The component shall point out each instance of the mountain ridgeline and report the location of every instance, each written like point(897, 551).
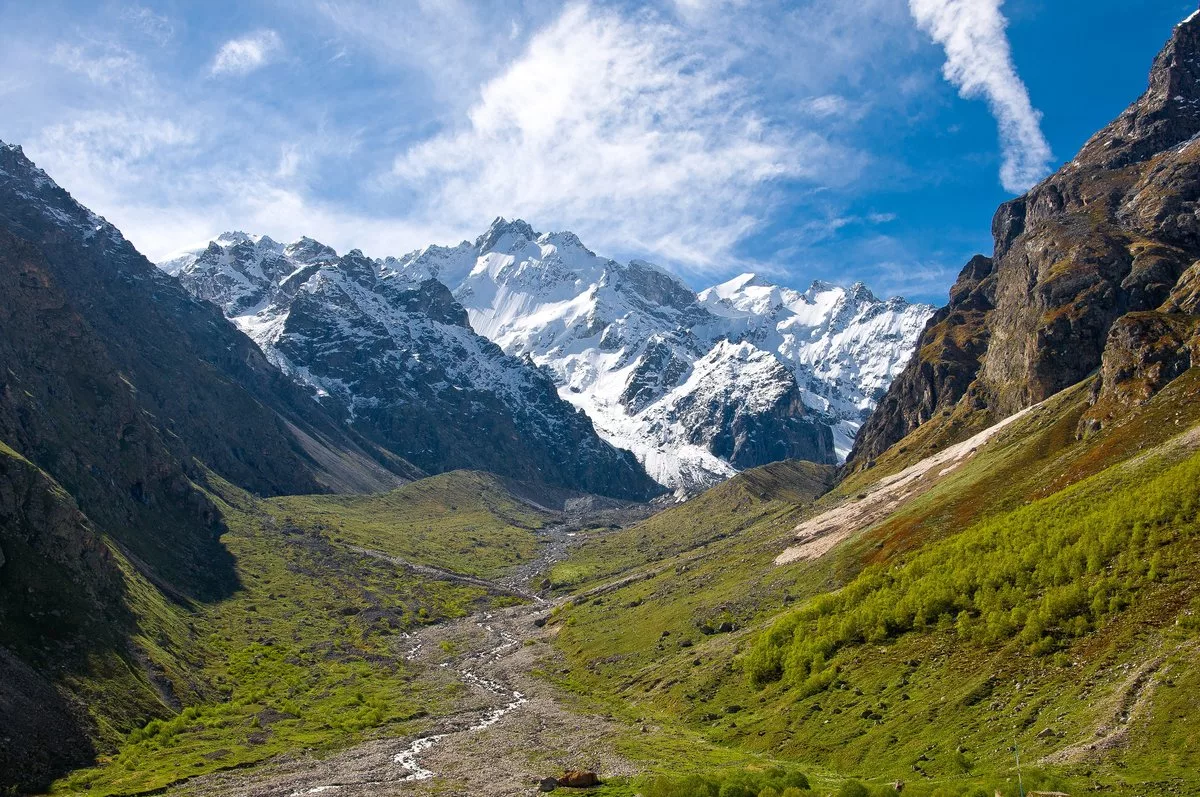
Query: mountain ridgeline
point(697, 386)
point(1094, 269)
point(395, 358)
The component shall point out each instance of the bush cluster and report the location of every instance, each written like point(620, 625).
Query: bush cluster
point(747, 783)
point(1043, 574)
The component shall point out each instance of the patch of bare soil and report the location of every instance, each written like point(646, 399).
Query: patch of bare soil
point(819, 535)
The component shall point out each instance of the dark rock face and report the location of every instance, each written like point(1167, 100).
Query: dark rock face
point(661, 367)
point(1079, 263)
point(1144, 353)
point(60, 594)
point(748, 439)
point(943, 367)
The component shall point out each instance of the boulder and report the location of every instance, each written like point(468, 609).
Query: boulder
point(547, 784)
point(579, 779)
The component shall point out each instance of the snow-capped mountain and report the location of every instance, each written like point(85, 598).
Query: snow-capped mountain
point(393, 352)
point(696, 385)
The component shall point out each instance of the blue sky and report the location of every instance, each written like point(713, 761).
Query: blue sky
point(867, 140)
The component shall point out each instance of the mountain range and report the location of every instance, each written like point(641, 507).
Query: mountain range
point(697, 386)
point(241, 552)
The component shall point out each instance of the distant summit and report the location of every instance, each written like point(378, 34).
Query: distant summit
point(698, 386)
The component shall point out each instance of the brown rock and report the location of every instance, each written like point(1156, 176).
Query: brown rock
point(579, 779)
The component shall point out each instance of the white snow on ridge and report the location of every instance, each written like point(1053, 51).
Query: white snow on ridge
point(590, 321)
point(660, 370)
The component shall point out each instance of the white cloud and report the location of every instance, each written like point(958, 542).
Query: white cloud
point(156, 27)
point(979, 62)
point(242, 56)
point(614, 127)
point(103, 65)
point(443, 48)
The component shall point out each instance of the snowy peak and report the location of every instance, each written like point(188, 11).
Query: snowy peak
point(388, 346)
point(505, 236)
point(637, 350)
point(654, 285)
point(306, 250)
point(696, 386)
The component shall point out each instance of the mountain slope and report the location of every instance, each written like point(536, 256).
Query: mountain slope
point(780, 374)
point(394, 355)
point(1095, 268)
point(120, 397)
point(1011, 565)
point(1042, 581)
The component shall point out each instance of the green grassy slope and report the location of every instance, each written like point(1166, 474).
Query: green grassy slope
point(463, 521)
point(308, 652)
point(768, 496)
point(1042, 595)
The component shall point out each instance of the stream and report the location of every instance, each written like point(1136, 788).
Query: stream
point(408, 759)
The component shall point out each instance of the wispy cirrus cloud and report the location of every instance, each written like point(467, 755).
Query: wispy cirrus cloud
point(612, 125)
point(157, 27)
point(108, 64)
point(697, 133)
point(244, 55)
point(979, 62)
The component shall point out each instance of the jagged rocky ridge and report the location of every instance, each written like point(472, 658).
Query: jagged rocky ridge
point(698, 386)
point(394, 355)
point(1094, 270)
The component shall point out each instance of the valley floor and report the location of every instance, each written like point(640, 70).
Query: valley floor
point(507, 730)
point(394, 644)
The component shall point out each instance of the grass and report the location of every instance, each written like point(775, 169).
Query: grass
point(462, 521)
point(307, 653)
point(772, 495)
point(919, 704)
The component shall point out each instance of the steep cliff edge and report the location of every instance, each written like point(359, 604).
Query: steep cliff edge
point(1094, 270)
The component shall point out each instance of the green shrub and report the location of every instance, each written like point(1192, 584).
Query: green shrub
point(1044, 574)
point(776, 782)
point(852, 788)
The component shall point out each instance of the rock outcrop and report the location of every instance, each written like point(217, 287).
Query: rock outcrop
point(1094, 270)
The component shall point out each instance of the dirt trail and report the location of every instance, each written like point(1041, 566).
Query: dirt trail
point(508, 730)
point(1127, 703)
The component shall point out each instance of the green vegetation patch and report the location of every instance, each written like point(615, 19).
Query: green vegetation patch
point(307, 653)
point(1045, 574)
point(462, 521)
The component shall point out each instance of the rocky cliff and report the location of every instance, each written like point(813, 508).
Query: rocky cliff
point(1093, 271)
